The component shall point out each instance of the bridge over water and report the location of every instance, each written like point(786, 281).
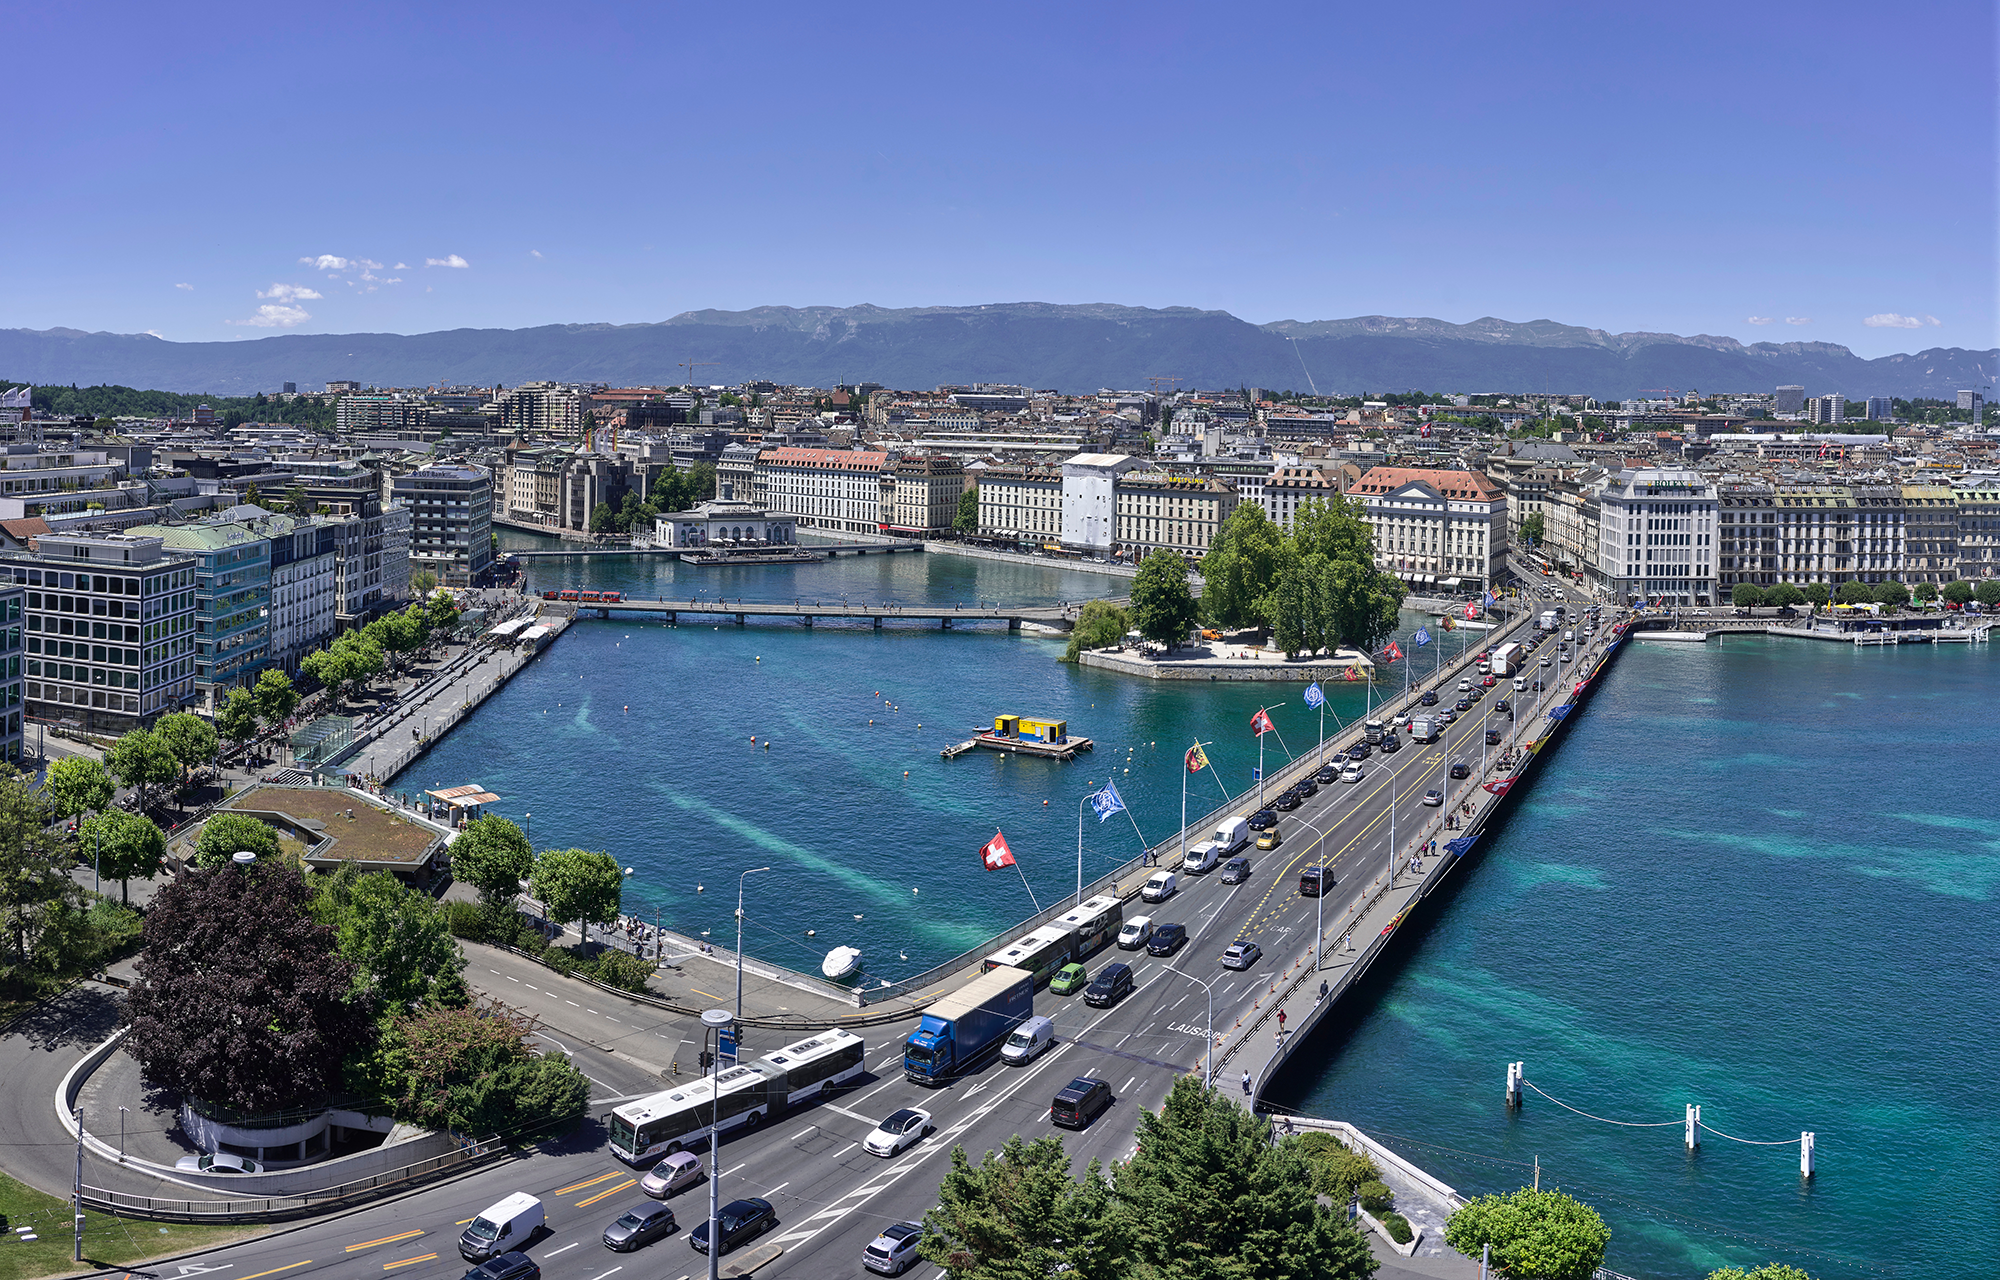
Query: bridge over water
point(1061, 617)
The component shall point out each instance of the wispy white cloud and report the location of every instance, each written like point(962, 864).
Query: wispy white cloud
point(449, 260)
point(401, 266)
point(536, 252)
point(328, 262)
point(277, 316)
point(1798, 319)
point(188, 287)
point(1890, 320)
point(1758, 319)
point(290, 292)
point(393, 280)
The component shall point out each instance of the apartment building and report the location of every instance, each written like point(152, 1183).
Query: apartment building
point(1023, 503)
point(1746, 537)
point(1436, 528)
point(451, 521)
point(833, 489)
point(1286, 489)
point(1930, 533)
point(920, 494)
point(1816, 533)
point(110, 637)
point(371, 541)
point(1978, 526)
point(232, 600)
point(1157, 511)
point(542, 408)
point(13, 629)
point(1656, 537)
point(305, 592)
point(393, 413)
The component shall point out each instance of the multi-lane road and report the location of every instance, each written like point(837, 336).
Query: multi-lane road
point(832, 1197)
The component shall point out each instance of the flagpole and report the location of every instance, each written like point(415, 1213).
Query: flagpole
point(1079, 852)
point(1027, 886)
point(1184, 777)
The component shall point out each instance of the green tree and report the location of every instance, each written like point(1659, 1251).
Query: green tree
point(243, 998)
point(1958, 592)
point(1163, 604)
point(192, 739)
point(1018, 1214)
point(297, 502)
point(422, 583)
point(1536, 1235)
point(1856, 592)
point(1784, 596)
point(142, 759)
point(1747, 595)
point(1533, 528)
point(967, 519)
point(1207, 1195)
point(402, 950)
point(492, 856)
point(1335, 529)
point(1359, 604)
point(1893, 594)
point(275, 697)
point(1239, 566)
point(471, 1069)
point(1926, 592)
point(1818, 594)
point(576, 884)
point(441, 612)
point(39, 904)
point(1099, 625)
point(1769, 1271)
point(76, 785)
point(603, 519)
point(1287, 602)
point(236, 717)
point(122, 845)
point(1338, 1171)
point(226, 834)
point(252, 495)
point(1987, 593)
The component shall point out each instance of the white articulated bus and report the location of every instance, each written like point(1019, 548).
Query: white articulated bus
point(745, 1095)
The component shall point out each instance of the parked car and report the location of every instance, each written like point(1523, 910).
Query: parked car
point(217, 1162)
point(1241, 954)
point(899, 1129)
point(639, 1226)
point(1069, 980)
point(736, 1222)
point(671, 1174)
point(1237, 870)
point(1166, 940)
point(895, 1250)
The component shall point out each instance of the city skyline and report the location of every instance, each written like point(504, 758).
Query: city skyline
point(237, 173)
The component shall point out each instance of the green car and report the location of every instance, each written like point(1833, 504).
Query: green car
point(1069, 980)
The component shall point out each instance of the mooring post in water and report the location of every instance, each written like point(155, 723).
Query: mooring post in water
point(1806, 1155)
point(1514, 1073)
point(1693, 1126)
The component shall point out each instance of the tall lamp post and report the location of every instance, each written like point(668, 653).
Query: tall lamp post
point(739, 954)
point(713, 1021)
point(1208, 991)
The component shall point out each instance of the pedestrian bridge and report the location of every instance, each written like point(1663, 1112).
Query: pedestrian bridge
point(1061, 617)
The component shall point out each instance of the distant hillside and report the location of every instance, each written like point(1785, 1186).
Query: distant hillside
point(1074, 348)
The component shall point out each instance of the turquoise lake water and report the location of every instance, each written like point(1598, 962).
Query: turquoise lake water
point(1757, 876)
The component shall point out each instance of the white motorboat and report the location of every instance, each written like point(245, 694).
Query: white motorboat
point(841, 963)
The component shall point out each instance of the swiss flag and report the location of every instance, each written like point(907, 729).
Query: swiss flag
point(1471, 610)
point(995, 853)
point(1260, 724)
point(1394, 653)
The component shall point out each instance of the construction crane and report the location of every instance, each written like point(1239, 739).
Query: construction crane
point(1154, 382)
point(692, 365)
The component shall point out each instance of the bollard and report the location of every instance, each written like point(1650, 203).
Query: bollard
point(1693, 1126)
point(1806, 1144)
point(1514, 1073)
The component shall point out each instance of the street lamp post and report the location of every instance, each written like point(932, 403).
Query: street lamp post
point(713, 1021)
point(739, 956)
point(1208, 991)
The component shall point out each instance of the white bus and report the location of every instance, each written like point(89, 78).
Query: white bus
point(811, 1068)
point(663, 1123)
point(1041, 953)
point(1094, 924)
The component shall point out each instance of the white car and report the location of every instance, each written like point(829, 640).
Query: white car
point(219, 1162)
point(901, 1129)
point(1352, 773)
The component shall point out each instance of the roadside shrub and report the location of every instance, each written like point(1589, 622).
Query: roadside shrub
point(623, 970)
point(1337, 1169)
point(465, 920)
point(1377, 1198)
point(1397, 1226)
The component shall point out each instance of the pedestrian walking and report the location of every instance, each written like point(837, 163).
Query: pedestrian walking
point(1322, 989)
point(1246, 1084)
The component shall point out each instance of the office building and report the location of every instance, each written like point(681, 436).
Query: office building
point(451, 521)
point(232, 599)
point(1789, 403)
point(1881, 409)
point(1656, 537)
point(1971, 406)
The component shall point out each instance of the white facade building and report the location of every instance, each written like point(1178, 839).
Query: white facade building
point(1090, 500)
point(723, 520)
point(834, 489)
point(305, 593)
point(1436, 529)
point(1656, 537)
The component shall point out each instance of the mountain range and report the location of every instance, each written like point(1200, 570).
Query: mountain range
point(1077, 348)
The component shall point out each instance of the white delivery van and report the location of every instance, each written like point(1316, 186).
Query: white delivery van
point(1028, 1041)
point(1160, 887)
point(1202, 857)
point(503, 1227)
point(1520, 684)
point(1138, 930)
point(1230, 835)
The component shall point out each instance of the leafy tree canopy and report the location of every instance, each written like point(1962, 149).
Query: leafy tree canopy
point(191, 739)
point(967, 518)
point(143, 759)
point(226, 834)
point(1987, 592)
point(397, 938)
point(577, 884)
point(1018, 1214)
point(1536, 1235)
point(236, 718)
point(1747, 595)
point(1784, 595)
point(1958, 592)
point(1099, 625)
point(76, 784)
point(123, 845)
point(40, 906)
point(1818, 593)
point(1769, 1271)
point(275, 697)
point(1163, 605)
point(492, 856)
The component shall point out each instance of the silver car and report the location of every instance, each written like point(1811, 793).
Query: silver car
point(895, 1250)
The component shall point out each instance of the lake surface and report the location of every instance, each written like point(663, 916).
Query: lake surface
point(1758, 876)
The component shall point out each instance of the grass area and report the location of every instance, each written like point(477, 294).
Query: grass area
point(106, 1240)
point(370, 835)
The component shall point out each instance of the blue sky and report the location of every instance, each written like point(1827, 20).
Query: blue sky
point(1771, 172)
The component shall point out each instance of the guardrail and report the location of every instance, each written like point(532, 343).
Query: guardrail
point(278, 1208)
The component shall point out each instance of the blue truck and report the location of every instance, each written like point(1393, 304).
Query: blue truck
point(963, 1027)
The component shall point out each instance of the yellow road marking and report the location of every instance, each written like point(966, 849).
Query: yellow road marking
point(591, 1182)
point(711, 995)
point(370, 1244)
point(275, 1270)
point(461, 1222)
point(391, 1266)
point(611, 1191)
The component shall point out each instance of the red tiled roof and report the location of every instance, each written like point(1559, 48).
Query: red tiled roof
point(1470, 485)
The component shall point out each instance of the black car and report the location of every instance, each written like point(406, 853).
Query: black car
point(1540, 685)
point(1327, 773)
point(738, 1221)
point(1307, 787)
point(1287, 802)
point(1463, 704)
point(1430, 698)
point(1081, 1101)
point(1503, 705)
point(1359, 751)
point(1166, 940)
point(1493, 737)
point(507, 1266)
point(640, 1225)
point(1314, 881)
point(1112, 983)
point(1236, 871)
point(1263, 820)
point(1392, 744)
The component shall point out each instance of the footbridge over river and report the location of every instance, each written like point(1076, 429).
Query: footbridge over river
point(1061, 617)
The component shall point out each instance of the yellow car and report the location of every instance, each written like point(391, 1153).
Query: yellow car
point(1269, 839)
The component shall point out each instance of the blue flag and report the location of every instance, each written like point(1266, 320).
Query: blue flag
point(1456, 848)
point(1422, 637)
point(1314, 694)
point(1106, 802)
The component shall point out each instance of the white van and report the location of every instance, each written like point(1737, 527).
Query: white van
point(1160, 887)
point(1520, 684)
point(1230, 835)
point(1137, 931)
point(1028, 1041)
point(1202, 858)
point(503, 1227)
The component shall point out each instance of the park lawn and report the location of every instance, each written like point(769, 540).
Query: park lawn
point(106, 1240)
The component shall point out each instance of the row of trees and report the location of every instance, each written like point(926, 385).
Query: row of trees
point(672, 490)
point(357, 657)
point(1316, 586)
point(106, 402)
point(494, 857)
point(1748, 595)
point(50, 926)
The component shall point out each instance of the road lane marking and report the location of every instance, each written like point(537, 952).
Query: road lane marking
point(727, 1172)
point(802, 1133)
point(572, 1004)
point(578, 1186)
point(512, 978)
point(370, 1244)
point(710, 994)
point(613, 1271)
point(565, 1249)
point(844, 1150)
point(391, 1266)
point(461, 1222)
point(275, 1270)
point(843, 1111)
point(780, 1187)
point(1129, 1083)
point(609, 1191)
